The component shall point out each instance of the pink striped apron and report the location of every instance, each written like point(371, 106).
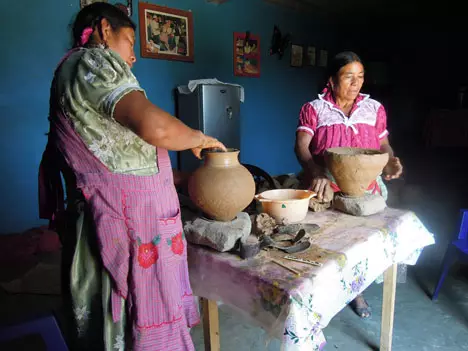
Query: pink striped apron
point(139, 232)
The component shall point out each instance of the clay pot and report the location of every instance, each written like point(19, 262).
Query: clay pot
point(221, 187)
point(354, 169)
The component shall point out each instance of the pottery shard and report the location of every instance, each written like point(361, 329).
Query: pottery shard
point(360, 206)
point(220, 236)
point(354, 169)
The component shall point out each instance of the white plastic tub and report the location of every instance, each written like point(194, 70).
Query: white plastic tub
point(286, 205)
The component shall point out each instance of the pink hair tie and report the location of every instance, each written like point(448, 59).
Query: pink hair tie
point(85, 35)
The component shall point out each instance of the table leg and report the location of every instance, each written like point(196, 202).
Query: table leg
point(210, 325)
point(388, 308)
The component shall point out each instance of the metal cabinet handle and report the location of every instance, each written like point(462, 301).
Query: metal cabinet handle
point(229, 112)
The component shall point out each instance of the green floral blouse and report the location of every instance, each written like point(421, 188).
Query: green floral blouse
point(90, 83)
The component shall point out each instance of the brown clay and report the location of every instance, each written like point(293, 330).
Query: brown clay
point(221, 187)
point(354, 169)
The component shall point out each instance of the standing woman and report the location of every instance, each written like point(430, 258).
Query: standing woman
point(124, 254)
point(343, 117)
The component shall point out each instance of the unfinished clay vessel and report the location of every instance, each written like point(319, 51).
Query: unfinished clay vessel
point(221, 187)
point(354, 169)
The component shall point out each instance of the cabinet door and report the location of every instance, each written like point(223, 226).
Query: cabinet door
point(220, 114)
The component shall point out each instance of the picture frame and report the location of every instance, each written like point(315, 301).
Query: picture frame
point(323, 58)
point(246, 55)
point(84, 3)
point(165, 33)
point(297, 55)
point(311, 56)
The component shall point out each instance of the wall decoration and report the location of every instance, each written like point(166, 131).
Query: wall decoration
point(279, 43)
point(84, 3)
point(165, 33)
point(323, 58)
point(246, 55)
point(311, 56)
point(297, 54)
point(128, 8)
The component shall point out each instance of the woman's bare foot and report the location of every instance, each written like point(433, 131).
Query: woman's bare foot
point(361, 307)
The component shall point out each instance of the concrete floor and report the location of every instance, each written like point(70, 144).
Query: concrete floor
point(434, 188)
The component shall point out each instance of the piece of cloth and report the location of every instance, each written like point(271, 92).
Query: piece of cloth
point(136, 221)
point(192, 85)
point(297, 309)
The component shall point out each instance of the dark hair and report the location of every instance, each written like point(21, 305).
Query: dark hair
point(341, 60)
point(92, 15)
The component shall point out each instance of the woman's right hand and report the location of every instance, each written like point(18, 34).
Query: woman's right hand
point(207, 143)
point(321, 185)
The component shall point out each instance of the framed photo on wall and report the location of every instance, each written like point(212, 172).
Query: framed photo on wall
point(165, 33)
point(84, 3)
point(297, 55)
point(323, 58)
point(246, 55)
point(311, 56)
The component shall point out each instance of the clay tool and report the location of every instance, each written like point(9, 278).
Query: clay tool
point(284, 266)
point(303, 260)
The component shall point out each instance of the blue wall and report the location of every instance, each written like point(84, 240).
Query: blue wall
point(35, 35)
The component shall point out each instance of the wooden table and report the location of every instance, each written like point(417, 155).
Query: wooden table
point(354, 251)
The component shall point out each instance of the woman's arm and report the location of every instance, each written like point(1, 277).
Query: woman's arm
point(304, 156)
point(315, 178)
point(385, 147)
point(158, 127)
point(394, 168)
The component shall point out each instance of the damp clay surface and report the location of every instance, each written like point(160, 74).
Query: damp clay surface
point(221, 187)
point(354, 168)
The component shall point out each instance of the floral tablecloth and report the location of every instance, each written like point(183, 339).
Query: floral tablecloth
point(354, 252)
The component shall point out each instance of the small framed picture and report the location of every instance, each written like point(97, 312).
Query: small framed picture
point(84, 3)
point(323, 59)
point(297, 54)
point(311, 56)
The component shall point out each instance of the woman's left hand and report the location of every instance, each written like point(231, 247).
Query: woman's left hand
point(393, 169)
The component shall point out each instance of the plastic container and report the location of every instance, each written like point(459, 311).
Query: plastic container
point(285, 205)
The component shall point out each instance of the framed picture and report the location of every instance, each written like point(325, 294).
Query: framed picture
point(323, 59)
point(165, 33)
point(126, 8)
point(246, 55)
point(297, 54)
point(311, 56)
point(84, 3)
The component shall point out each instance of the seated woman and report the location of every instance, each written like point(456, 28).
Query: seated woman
point(343, 117)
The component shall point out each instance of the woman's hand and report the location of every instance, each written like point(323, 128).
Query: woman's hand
point(393, 169)
point(207, 143)
point(321, 185)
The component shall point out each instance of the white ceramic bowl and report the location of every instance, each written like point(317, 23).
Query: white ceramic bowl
point(286, 205)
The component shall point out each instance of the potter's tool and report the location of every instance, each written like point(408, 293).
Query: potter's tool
point(250, 248)
point(303, 260)
point(299, 236)
point(294, 228)
point(284, 266)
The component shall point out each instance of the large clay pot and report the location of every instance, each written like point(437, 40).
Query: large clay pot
point(354, 169)
point(221, 187)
